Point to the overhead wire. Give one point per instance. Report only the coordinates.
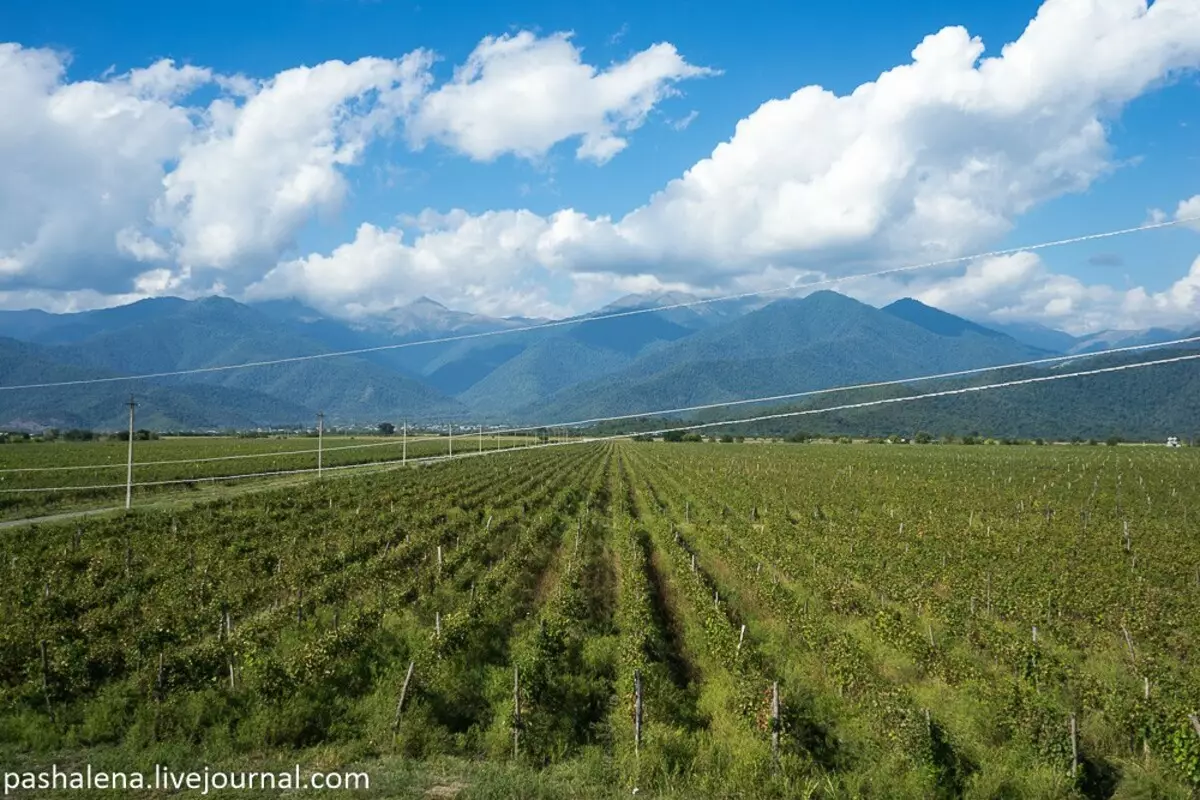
(685, 427)
(794, 286)
(641, 414)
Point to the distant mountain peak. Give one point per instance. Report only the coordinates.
(650, 300)
(426, 302)
(935, 320)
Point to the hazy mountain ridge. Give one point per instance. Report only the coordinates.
(582, 367)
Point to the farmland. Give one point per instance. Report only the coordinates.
(802, 620)
(92, 474)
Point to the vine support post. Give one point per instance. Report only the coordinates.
(775, 720)
(516, 711)
(637, 711)
(46, 678)
(1074, 748)
(403, 694)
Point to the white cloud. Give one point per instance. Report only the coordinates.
(683, 122)
(1190, 210)
(1019, 287)
(522, 95)
(82, 162)
(257, 171)
(104, 175)
(140, 246)
(934, 159)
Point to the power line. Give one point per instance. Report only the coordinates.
(658, 412)
(925, 396)
(612, 315)
(692, 426)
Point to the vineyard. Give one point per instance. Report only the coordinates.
(679, 620)
(47, 477)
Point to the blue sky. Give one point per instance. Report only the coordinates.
(765, 51)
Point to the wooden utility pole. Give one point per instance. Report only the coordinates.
(481, 438)
(404, 450)
(320, 439)
(129, 466)
(451, 431)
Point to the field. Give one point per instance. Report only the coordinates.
(791, 620)
(182, 466)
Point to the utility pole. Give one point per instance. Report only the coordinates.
(320, 439)
(481, 438)
(129, 469)
(404, 451)
(452, 440)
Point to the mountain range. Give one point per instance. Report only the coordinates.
(640, 354)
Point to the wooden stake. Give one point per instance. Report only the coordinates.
(1074, 748)
(741, 638)
(46, 678)
(637, 711)
(403, 693)
(516, 711)
(775, 719)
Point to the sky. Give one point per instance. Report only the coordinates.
(542, 159)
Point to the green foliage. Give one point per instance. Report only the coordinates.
(889, 593)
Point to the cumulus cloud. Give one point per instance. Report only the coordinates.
(522, 95)
(83, 163)
(1019, 287)
(1190, 210)
(256, 171)
(934, 159)
(104, 176)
